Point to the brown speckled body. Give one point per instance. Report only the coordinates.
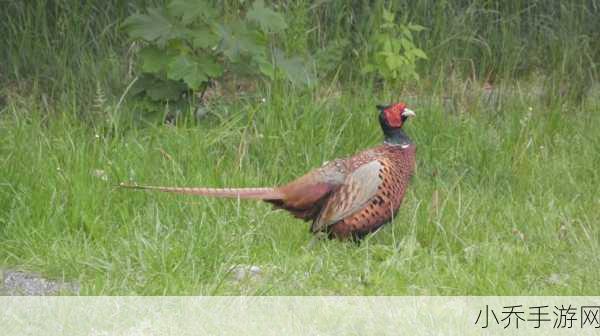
(349, 198)
(397, 166)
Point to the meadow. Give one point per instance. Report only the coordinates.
(504, 201)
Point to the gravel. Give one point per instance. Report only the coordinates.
(26, 283)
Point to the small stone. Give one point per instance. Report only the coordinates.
(471, 252)
(24, 283)
(242, 272)
(557, 279)
(518, 234)
(101, 174)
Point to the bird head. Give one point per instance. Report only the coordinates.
(394, 116)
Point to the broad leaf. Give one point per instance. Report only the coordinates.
(153, 27)
(192, 70)
(184, 68)
(154, 60)
(190, 10)
(204, 38)
(238, 39)
(210, 66)
(268, 19)
(159, 89)
(166, 90)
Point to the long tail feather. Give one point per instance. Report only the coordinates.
(250, 193)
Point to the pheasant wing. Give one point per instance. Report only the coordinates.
(305, 196)
(357, 189)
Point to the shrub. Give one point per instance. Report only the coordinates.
(393, 55)
(189, 43)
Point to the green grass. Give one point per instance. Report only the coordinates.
(505, 200)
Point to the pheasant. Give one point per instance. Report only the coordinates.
(345, 198)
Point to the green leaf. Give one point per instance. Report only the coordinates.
(396, 61)
(407, 44)
(204, 38)
(239, 39)
(178, 46)
(154, 60)
(388, 26)
(268, 19)
(210, 67)
(419, 53)
(393, 55)
(387, 45)
(396, 45)
(191, 10)
(158, 89)
(166, 90)
(388, 16)
(155, 26)
(368, 68)
(266, 68)
(193, 70)
(415, 27)
(406, 32)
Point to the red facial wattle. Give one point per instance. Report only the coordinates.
(393, 115)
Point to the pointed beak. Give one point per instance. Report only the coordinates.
(408, 113)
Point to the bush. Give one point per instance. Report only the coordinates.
(393, 56)
(189, 43)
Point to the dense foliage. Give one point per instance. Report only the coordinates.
(393, 54)
(189, 43)
(54, 47)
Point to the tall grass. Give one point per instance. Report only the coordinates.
(485, 40)
(62, 50)
(501, 203)
(55, 48)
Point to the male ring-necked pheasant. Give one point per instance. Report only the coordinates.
(346, 198)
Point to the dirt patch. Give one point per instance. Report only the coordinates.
(26, 283)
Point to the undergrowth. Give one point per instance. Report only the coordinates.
(504, 201)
